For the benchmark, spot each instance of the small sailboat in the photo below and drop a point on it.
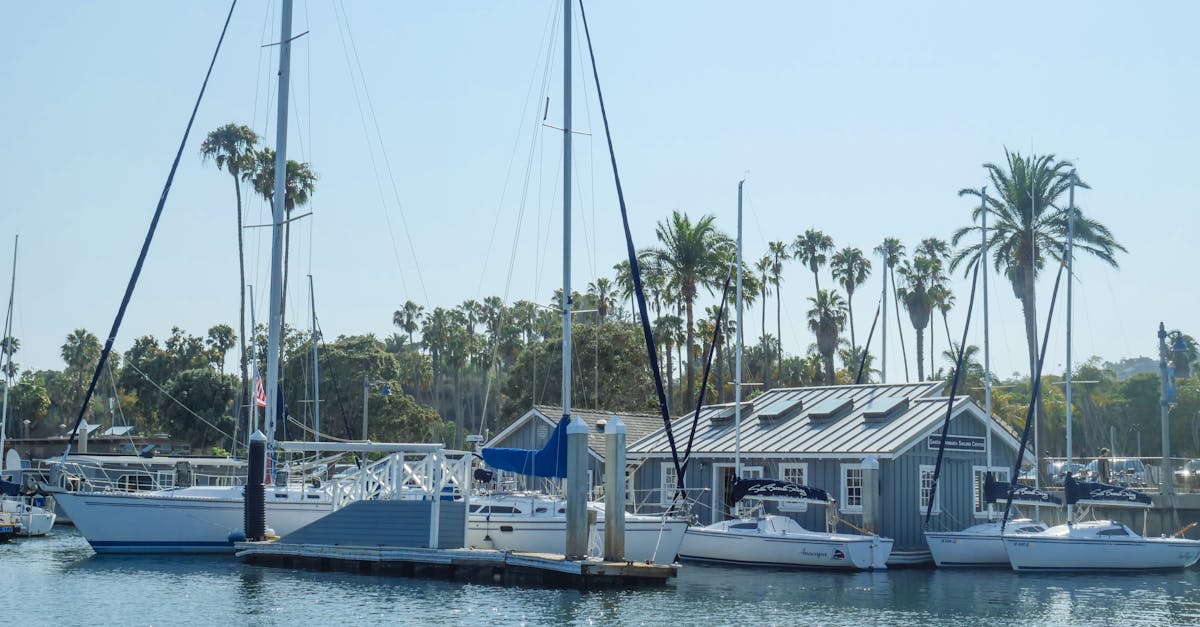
(537, 522)
(758, 538)
(30, 517)
(1102, 545)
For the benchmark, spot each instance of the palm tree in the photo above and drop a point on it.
(763, 268)
(1028, 225)
(8, 346)
(298, 187)
(624, 285)
(231, 148)
(602, 291)
(810, 249)
(851, 269)
(81, 351)
(893, 251)
(692, 255)
(779, 254)
(667, 329)
(917, 278)
(826, 319)
(943, 301)
(408, 319)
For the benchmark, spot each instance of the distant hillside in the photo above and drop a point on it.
(1132, 365)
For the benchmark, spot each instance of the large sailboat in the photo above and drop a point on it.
(1102, 545)
(537, 522)
(757, 538)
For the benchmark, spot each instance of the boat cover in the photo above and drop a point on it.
(998, 492)
(550, 461)
(776, 490)
(1089, 492)
(8, 488)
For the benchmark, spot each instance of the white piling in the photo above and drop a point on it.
(870, 494)
(577, 523)
(83, 436)
(614, 490)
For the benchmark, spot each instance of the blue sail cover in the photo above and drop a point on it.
(776, 490)
(998, 492)
(8, 488)
(550, 461)
(1093, 493)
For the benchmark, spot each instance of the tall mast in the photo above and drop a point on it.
(312, 295)
(1070, 282)
(883, 305)
(566, 282)
(253, 425)
(737, 363)
(987, 354)
(274, 321)
(6, 362)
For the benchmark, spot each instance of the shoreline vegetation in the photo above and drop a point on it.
(475, 367)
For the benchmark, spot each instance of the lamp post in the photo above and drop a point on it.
(1166, 400)
(367, 383)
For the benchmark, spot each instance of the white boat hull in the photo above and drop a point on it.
(165, 522)
(981, 545)
(31, 520)
(651, 540)
(1075, 549)
(782, 544)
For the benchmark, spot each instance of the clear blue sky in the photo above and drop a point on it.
(863, 120)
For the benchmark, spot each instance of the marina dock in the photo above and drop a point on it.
(460, 564)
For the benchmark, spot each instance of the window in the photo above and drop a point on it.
(925, 485)
(793, 473)
(977, 478)
(852, 488)
(669, 480)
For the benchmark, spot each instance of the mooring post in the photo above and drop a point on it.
(577, 527)
(870, 494)
(614, 490)
(83, 436)
(255, 520)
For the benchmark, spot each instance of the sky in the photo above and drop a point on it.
(439, 183)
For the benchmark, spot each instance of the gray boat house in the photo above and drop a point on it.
(822, 436)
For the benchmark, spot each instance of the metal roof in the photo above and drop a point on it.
(637, 425)
(858, 430)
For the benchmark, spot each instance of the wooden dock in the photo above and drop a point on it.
(485, 565)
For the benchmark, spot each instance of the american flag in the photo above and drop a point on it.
(260, 395)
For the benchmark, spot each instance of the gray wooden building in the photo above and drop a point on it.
(533, 429)
(820, 436)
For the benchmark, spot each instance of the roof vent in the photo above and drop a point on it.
(884, 408)
(830, 409)
(726, 414)
(780, 410)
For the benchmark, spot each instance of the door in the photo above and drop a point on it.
(722, 493)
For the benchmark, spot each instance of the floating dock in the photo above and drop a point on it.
(485, 565)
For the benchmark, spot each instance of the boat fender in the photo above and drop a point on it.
(236, 536)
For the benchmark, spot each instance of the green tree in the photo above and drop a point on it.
(826, 319)
(298, 188)
(81, 351)
(811, 249)
(779, 254)
(851, 269)
(231, 148)
(1028, 225)
(917, 277)
(692, 256)
(892, 251)
(220, 340)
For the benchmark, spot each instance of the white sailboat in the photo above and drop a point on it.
(538, 522)
(28, 517)
(767, 539)
(981, 545)
(1103, 545)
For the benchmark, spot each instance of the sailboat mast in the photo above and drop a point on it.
(1070, 282)
(566, 282)
(6, 362)
(883, 306)
(987, 354)
(253, 426)
(277, 219)
(312, 296)
(737, 364)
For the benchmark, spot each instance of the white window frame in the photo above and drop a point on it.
(844, 506)
(922, 497)
(803, 468)
(748, 472)
(667, 481)
(1001, 473)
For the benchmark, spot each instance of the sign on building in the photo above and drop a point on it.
(959, 443)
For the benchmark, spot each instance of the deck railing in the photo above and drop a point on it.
(1141, 473)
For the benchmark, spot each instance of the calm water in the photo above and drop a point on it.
(58, 581)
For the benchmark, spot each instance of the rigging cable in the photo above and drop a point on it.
(631, 252)
(137, 268)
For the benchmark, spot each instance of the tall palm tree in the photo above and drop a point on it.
(692, 256)
(917, 277)
(763, 268)
(893, 250)
(943, 301)
(624, 285)
(667, 329)
(779, 254)
(602, 291)
(9, 346)
(810, 249)
(826, 319)
(851, 269)
(299, 186)
(408, 319)
(231, 147)
(1028, 224)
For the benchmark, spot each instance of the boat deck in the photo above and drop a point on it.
(460, 564)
